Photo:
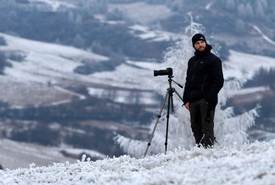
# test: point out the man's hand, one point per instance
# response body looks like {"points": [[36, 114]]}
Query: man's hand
{"points": [[187, 106]]}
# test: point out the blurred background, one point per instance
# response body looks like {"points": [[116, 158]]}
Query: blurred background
{"points": [[76, 73]]}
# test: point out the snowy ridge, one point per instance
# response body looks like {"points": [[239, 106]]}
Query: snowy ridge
{"points": [[246, 164]]}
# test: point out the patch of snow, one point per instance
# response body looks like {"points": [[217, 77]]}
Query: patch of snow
{"points": [[146, 33], [209, 5], [250, 90], [47, 49]]}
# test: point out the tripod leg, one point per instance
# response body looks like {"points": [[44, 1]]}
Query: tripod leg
{"points": [[167, 123], [172, 102], [157, 121]]}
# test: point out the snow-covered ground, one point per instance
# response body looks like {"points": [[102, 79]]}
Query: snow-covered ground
{"points": [[248, 164]]}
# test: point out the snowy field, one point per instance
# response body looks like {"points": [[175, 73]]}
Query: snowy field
{"points": [[248, 164]]}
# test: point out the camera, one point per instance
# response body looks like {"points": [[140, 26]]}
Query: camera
{"points": [[167, 71]]}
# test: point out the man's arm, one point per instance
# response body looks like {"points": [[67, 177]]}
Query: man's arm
{"points": [[217, 78]]}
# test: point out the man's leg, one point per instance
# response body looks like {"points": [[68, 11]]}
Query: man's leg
{"points": [[207, 120], [195, 115]]}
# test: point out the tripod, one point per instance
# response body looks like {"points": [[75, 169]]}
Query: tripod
{"points": [[170, 105]]}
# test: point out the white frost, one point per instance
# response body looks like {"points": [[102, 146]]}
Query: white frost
{"points": [[248, 164]]}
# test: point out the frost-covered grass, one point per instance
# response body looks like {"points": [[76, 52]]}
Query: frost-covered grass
{"points": [[248, 164]]}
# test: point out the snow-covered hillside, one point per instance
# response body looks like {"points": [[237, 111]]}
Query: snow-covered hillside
{"points": [[48, 69], [249, 164], [20, 155]]}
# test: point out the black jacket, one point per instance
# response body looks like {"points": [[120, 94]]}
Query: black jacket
{"points": [[204, 77]]}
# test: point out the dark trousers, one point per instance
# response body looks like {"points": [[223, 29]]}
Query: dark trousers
{"points": [[202, 123]]}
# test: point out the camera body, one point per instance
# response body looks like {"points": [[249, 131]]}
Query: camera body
{"points": [[167, 71]]}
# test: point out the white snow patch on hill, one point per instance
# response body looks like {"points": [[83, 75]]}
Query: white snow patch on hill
{"points": [[251, 90], [142, 12], [55, 4], [45, 61], [264, 36], [249, 164], [243, 66], [45, 71], [146, 33], [16, 154]]}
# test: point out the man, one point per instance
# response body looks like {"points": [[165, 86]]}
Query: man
{"points": [[203, 82]]}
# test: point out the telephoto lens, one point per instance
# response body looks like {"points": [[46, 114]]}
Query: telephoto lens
{"points": [[168, 71]]}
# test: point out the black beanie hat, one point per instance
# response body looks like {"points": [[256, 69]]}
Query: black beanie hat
{"points": [[198, 37]]}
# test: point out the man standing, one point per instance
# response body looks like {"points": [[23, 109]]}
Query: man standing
{"points": [[203, 82]]}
